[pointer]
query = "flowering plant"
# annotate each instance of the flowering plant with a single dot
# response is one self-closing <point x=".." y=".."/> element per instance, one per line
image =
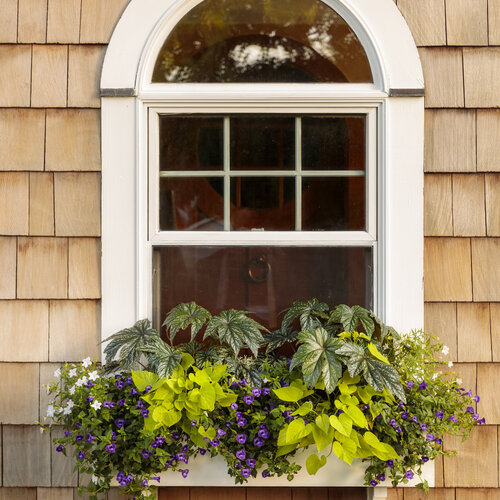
<point x="353" y="387"/>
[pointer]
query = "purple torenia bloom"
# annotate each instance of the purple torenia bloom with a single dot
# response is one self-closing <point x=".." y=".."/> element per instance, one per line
<point x="439" y="414"/>
<point x="144" y="482"/>
<point x="258" y="442"/>
<point x="241" y="438"/>
<point x="429" y="437"/>
<point x="242" y="422"/>
<point x="475" y="416"/>
<point x="243" y="382"/>
<point x="266" y="391"/>
<point x="120" y="384"/>
<point x="121" y="402"/>
<point x="248" y="399"/>
<point x="404" y="415"/>
<point x="381" y="477"/>
<point x="423" y="427"/>
<point x="90" y="438"/>
<point x="180" y="456"/>
<point x="113" y="436"/>
<point x="257" y="392"/>
<point x="373" y="483"/>
<point x="140" y="404"/>
<point x="202" y="451"/>
<point x="128" y="380"/>
<point x="156" y="478"/>
<point x="146" y="453"/>
<point x="246" y="472"/>
<point x="77" y="425"/>
<point x="393" y="422"/>
<point x="251" y="462"/>
<point x="438" y="441"/>
<point x="401" y="404"/>
<point x="476" y="398"/>
<point x="229" y="424"/>
<point x="265" y="473"/>
<point x="423" y="385"/>
<point x="215" y="443"/>
<point x="263" y="433"/>
<point x="184" y="473"/>
<point x="79" y="438"/>
<point x="68" y="433"/>
<point x="425" y="459"/>
<point x="133" y="392"/>
<point x="120" y="422"/>
<point x="410" y="385"/>
<point x="453" y="418"/>
<point x="414" y="419"/>
<point x="90" y="399"/>
<point x="185" y="448"/>
<point x="193" y="422"/>
<point x="482" y="421"/>
<point x="108" y="404"/>
<point x="237" y="464"/>
<point x="390" y="464"/>
<point x="470" y="409"/>
<point x="147" y="388"/>
<point x="398" y="430"/>
<point x="81" y="455"/>
<point x="366" y="407"/>
<point x="221" y="432"/>
<point x="409" y="474"/>
<point x="145" y="413"/>
<point x="241" y="454"/>
<point x="111" y="448"/>
<point x="175" y="436"/>
<point x="239" y="414"/>
<point x="59" y="448"/>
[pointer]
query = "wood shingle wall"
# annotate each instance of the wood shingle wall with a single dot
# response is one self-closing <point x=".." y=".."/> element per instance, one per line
<point x="51" y="52"/>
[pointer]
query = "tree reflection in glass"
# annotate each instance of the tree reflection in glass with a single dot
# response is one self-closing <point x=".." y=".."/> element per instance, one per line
<point x="262" y="41"/>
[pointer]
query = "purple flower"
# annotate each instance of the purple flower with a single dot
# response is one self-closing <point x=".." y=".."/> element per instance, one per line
<point x="263" y="433"/>
<point x="156" y="478"/>
<point x="81" y="455"/>
<point x="121" y="402"/>
<point x="393" y="422"/>
<point x="133" y="392"/>
<point x="239" y="414"/>
<point x="366" y="407"/>
<point x="409" y="474"/>
<point x="246" y="472"/>
<point x="242" y="382"/>
<point x="242" y="422"/>
<point x="482" y="421"/>
<point x="90" y="438"/>
<point x="475" y="416"/>
<point x="414" y="419"/>
<point x="453" y="418"/>
<point x="381" y="477"/>
<point x="288" y="414"/>
<point x="111" y="448"/>
<point x="241" y="438"/>
<point x="120" y="384"/>
<point x="265" y="473"/>
<point x="145" y="413"/>
<point x="79" y="438"/>
<point x="180" y="456"/>
<point x="147" y="388"/>
<point x="221" y="432"/>
<point x="258" y="442"/>
<point x="175" y="436"/>
<point x="140" y="404"/>
<point x="90" y="399"/>
<point x="468" y="394"/>
<point x="108" y="404"/>
<point x="237" y="464"/>
<point x="159" y="441"/>
<point x="251" y="462"/>
<point x="438" y="441"/>
<point x="248" y="399"/>
<point x="410" y="385"/>
<point x="215" y="443"/>
<point x="266" y="391"/>
<point x="256" y="392"/>
<point x="202" y="451"/>
<point x="120" y="422"/>
<point x="113" y="436"/>
<point x="272" y="406"/>
<point x="184" y="473"/>
<point x="229" y="424"/>
<point x="398" y="430"/>
<point x="423" y="385"/>
<point x="401" y="404"/>
<point x="429" y="437"/>
<point x="390" y="464"/>
<point x="425" y="459"/>
<point x="193" y="422"/>
<point x="129" y="380"/>
<point x="59" y="448"/>
<point x="404" y="415"/>
<point x="185" y="448"/>
<point x="373" y="483"/>
<point x="144" y="482"/>
<point x="68" y="433"/>
<point x="241" y="454"/>
<point x="77" y="425"/>
<point x="146" y="453"/>
<point x="470" y="409"/>
<point x="476" y="398"/>
<point x="423" y="427"/>
<point x="439" y="414"/>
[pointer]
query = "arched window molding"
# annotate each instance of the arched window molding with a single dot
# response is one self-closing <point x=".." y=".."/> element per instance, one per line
<point x="126" y="93"/>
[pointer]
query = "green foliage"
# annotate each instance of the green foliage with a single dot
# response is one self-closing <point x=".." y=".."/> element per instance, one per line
<point x="309" y="312"/>
<point x="163" y="359"/>
<point x="184" y="315"/>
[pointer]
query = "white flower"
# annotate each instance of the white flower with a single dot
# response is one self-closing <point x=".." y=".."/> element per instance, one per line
<point x="96" y="405"/>
<point x="72" y="390"/>
<point x="72" y="372"/>
<point x="67" y="410"/>
<point x="445" y="350"/>
<point x="81" y="381"/>
<point x="95" y="479"/>
<point x="57" y="373"/>
<point x="93" y="375"/>
<point x="435" y="376"/>
<point x="459" y="381"/>
<point x="86" y="362"/>
<point x="51" y="411"/>
<point x="450" y="364"/>
<point x="70" y="404"/>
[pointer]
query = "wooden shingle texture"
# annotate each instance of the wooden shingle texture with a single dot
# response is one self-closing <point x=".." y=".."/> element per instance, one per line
<point x="32" y="22"/>
<point x="488" y="140"/>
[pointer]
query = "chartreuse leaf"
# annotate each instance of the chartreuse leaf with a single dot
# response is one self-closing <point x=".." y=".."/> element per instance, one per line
<point x="304" y="409"/>
<point x="143" y="378"/>
<point x="207" y="397"/>
<point x="323" y="422"/>
<point x="375" y="353"/>
<point x="321" y="438"/>
<point x="183" y="315"/>
<point x="357" y="416"/>
<point x="237" y="330"/>
<point x="346" y="450"/>
<point x="284" y="450"/>
<point x="381" y="450"/>
<point x="165" y="417"/>
<point x="296" y="430"/>
<point x="314" y="463"/>
<point x="316" y="357"/>
<point x="342" y="424"/>
<point x="291" y="394"/>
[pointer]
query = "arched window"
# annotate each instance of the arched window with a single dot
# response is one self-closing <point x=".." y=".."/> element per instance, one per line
<point x="260" y="152"/>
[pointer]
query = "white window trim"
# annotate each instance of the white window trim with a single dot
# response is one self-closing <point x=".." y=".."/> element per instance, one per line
<point x="127" y="96"/>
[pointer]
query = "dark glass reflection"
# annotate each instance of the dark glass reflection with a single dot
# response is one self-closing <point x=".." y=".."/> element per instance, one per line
<point x="262" y="41"/>
<point x="263" y="280"/>
<point x="191" y="204"/>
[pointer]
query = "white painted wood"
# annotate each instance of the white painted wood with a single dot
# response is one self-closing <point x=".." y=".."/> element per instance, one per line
<point x="378" y="493"/>
<point x="144" y="25"/>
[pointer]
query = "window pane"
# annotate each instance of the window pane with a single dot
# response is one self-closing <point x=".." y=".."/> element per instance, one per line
<point x="262" y="41"/>
<point x="262" y="143"/>
<point x="263" y="203"/>
<point x="333" y="203"/>
<point x="191" y="143"/>
<point x="193" y="204"/>
<point x="263" y="280"/>
<point x="333" y="143"/>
